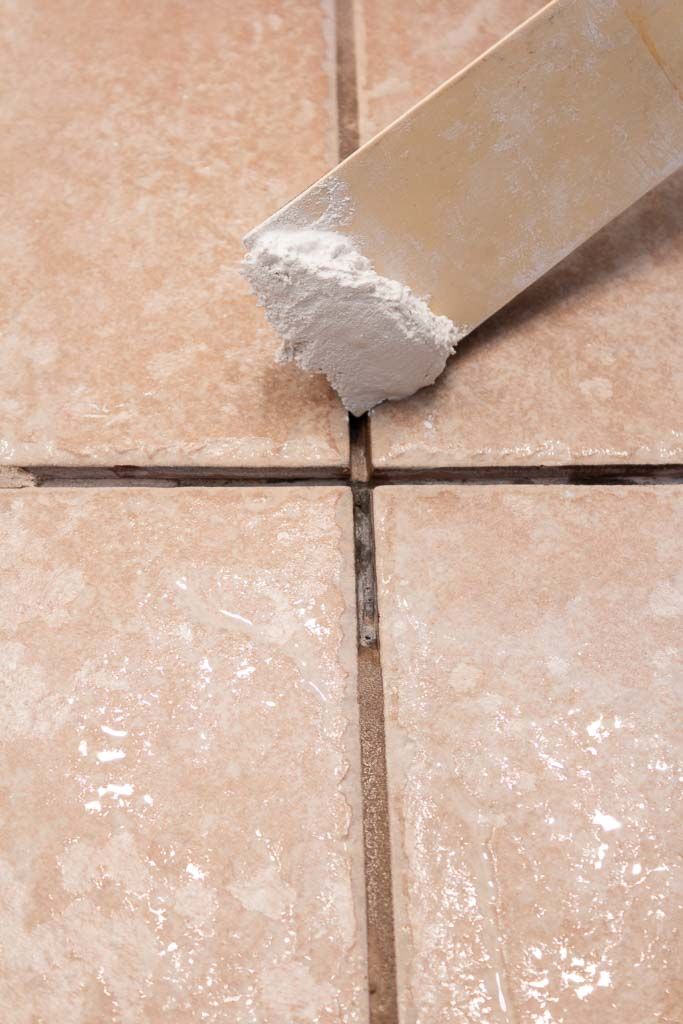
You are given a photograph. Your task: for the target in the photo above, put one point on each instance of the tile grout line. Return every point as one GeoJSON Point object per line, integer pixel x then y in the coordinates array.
{"type": "Point", "coordinates": [173, 476]}
{"type": "Point", "coordinates": [382, 994]}
{"type": "Point", "coordinates": [346, 79]}
{"type": "Point", "coordinates": [610, 474]}
{"type": "Point", "coordinates": [382, 984]}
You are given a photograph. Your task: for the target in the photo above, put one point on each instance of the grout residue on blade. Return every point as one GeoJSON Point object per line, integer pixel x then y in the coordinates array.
{"type": "Point", "coordinates": [371, 336]}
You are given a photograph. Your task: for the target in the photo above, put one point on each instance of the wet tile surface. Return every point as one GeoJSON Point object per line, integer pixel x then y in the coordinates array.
{"type": "Point", "coordinates": [181, 834]}
{"type": "Point", "coordinates": [140, 143]}
{"type": "Point", "coordinates": [587, 365]}
{"type": "Point", "coordinates": [531, 651]}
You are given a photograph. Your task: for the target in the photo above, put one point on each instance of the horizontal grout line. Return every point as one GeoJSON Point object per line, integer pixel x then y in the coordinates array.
{"type": "Point", "coordinates": [633, 474]}
{"type": "Point", "coordinates": [302, 476]}
{"type": "Point", "coordinates": [184, 476]}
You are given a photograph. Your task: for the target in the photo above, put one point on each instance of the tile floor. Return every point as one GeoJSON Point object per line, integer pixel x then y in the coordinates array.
{"type": "Point", "coordinates": [204, 790]}
{"type": "Point", "coordinates": [534, 749]}
{"type": "Point", "coordinates": [179, 757]}
{"type": "Point", "coordinates": [584, 367]}
{"type": "Point", "coordinates": [143, 142]}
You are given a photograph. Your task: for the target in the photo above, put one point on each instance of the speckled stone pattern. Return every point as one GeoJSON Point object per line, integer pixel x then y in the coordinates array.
{"type": "Point", "coordinates": [180, 834]}
{"type": "Point", "coordinates": [531, 650]}
{"type": "Point", "coordinates": [406, 50]}
{"type": "Point", "coordinates": [139, 143]}
{"type": "Point", "coordinates": [586, 366]}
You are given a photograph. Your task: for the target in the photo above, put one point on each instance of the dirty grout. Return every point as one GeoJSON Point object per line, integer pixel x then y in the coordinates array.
{"type": "Point", "coordinates": [346, 83]}
{"type": "Point", "coordinates": [178, 476]}
{"type": "Point", "coordinates": [382, 988]}
{"type": "Point", "coordinates": [587, 475]}
{"type": "Point", "coordinates": [374, 790]}
{"type": "Point", "coordinates": [360, 470]}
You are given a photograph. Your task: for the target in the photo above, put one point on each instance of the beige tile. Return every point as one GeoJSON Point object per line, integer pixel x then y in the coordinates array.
{"type": "Point", "coordinates": [531, 650]}
{"type": "Point", "coordinates": [180, 798]}
{"type": "Point", "coordinates": [406, 50]}
{"type": "Point", "coordinates": [139, 143]}
{"type": "Point", "coordinates": [584, 367]}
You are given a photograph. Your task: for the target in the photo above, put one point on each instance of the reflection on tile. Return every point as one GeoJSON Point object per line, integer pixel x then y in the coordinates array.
{"type": "Point", "coordinates": [181, 833]}
{"type": "Point", "coordinates": [140, 142]}
{"type": "Point", "coordinates": [586, 366]}
{"type": "Point", "coordinates": [531, 650]}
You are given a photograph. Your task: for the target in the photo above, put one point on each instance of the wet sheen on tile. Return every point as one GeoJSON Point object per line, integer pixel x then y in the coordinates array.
{"type": "Point", "coordinates": [531, 652]}
{"type": "Point", "coordinates": [141, 142]}
{"type": "Point", "coordinates": [180, 799]}
{"type": "Point", "coordinates": [584, 367]}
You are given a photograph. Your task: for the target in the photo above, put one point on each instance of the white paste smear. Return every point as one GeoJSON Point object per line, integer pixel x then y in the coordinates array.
{"type": "Point", "coordinates": [372, 337]}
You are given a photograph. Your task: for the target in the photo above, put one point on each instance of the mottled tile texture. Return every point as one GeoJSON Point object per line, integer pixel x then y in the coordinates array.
{"type": "Point", "coordinates": [406, 50]}
{"type": "Point", "coordinates": [531, 650]}
{"type": "Point", "coordinates": [180, 834]}
{"type": "Point", "coordinates": [139, 143]}
{"type": "Point", "coordinates": [584, 367]}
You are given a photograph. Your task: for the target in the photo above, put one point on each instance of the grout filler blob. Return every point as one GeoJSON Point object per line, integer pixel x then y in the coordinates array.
{"type": "Point", "coordinates": [473, 194]}
{"type": "Point", "coordinates": [372, 337]}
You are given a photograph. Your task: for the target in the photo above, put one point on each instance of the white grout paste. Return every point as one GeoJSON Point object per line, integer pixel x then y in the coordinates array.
{"type": "Point", "coordinates": [371, 336]}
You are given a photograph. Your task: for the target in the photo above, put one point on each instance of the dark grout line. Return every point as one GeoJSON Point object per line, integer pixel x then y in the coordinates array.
{"type": "Point", "coordinates": [360, 465]}
{"type": "Point", "coordinates": [382, 992]}
{"type": "Point", "coordinates": [359, 471]}
{"type": "Point", "coordinates": [605, 475]}
{"type": "Point", "coordinates": [347, 91]}
{"type": "Point", "coordinates": [373, 773]}
{"type": "Point", "coordinates": [183, 476]}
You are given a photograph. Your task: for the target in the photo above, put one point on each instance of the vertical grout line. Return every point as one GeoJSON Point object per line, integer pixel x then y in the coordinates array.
{"type": "Point", "coordinates": [373, 767]}
{"type": "Point", "coordinates": [347, 94]}
{"type": "Point", "coordinates": [375, 797]}
{"type": "Point", "coordinates": [359, 445]}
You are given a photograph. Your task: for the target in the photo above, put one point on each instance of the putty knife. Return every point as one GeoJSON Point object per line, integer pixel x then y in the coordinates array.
{"type": "Point", "coordinates": [473, 194]}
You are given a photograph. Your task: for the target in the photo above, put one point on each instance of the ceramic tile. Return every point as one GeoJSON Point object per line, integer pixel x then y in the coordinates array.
{"type": "Point", "coordinates": [140, 143]}
{"type": "Point", "coordinates": [531, 652]}
{"type": "Point", "coordinates": [584, 367]}
{"type": "Point", "coordinates": [180, 805]}
{"type": "Point", "coordinates": [406, 50]}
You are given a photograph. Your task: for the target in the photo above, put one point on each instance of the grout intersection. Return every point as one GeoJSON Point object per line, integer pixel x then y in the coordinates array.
{"type": "Point", "coordinates": [361, 478]}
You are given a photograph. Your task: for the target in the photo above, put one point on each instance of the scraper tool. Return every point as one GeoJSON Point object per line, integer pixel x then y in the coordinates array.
{"type": "Point", "coordinates": [373, 275]}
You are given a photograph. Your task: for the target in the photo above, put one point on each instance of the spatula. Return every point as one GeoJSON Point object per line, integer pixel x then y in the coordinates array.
{"type": "Point", "coordinates": [372, 275]}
